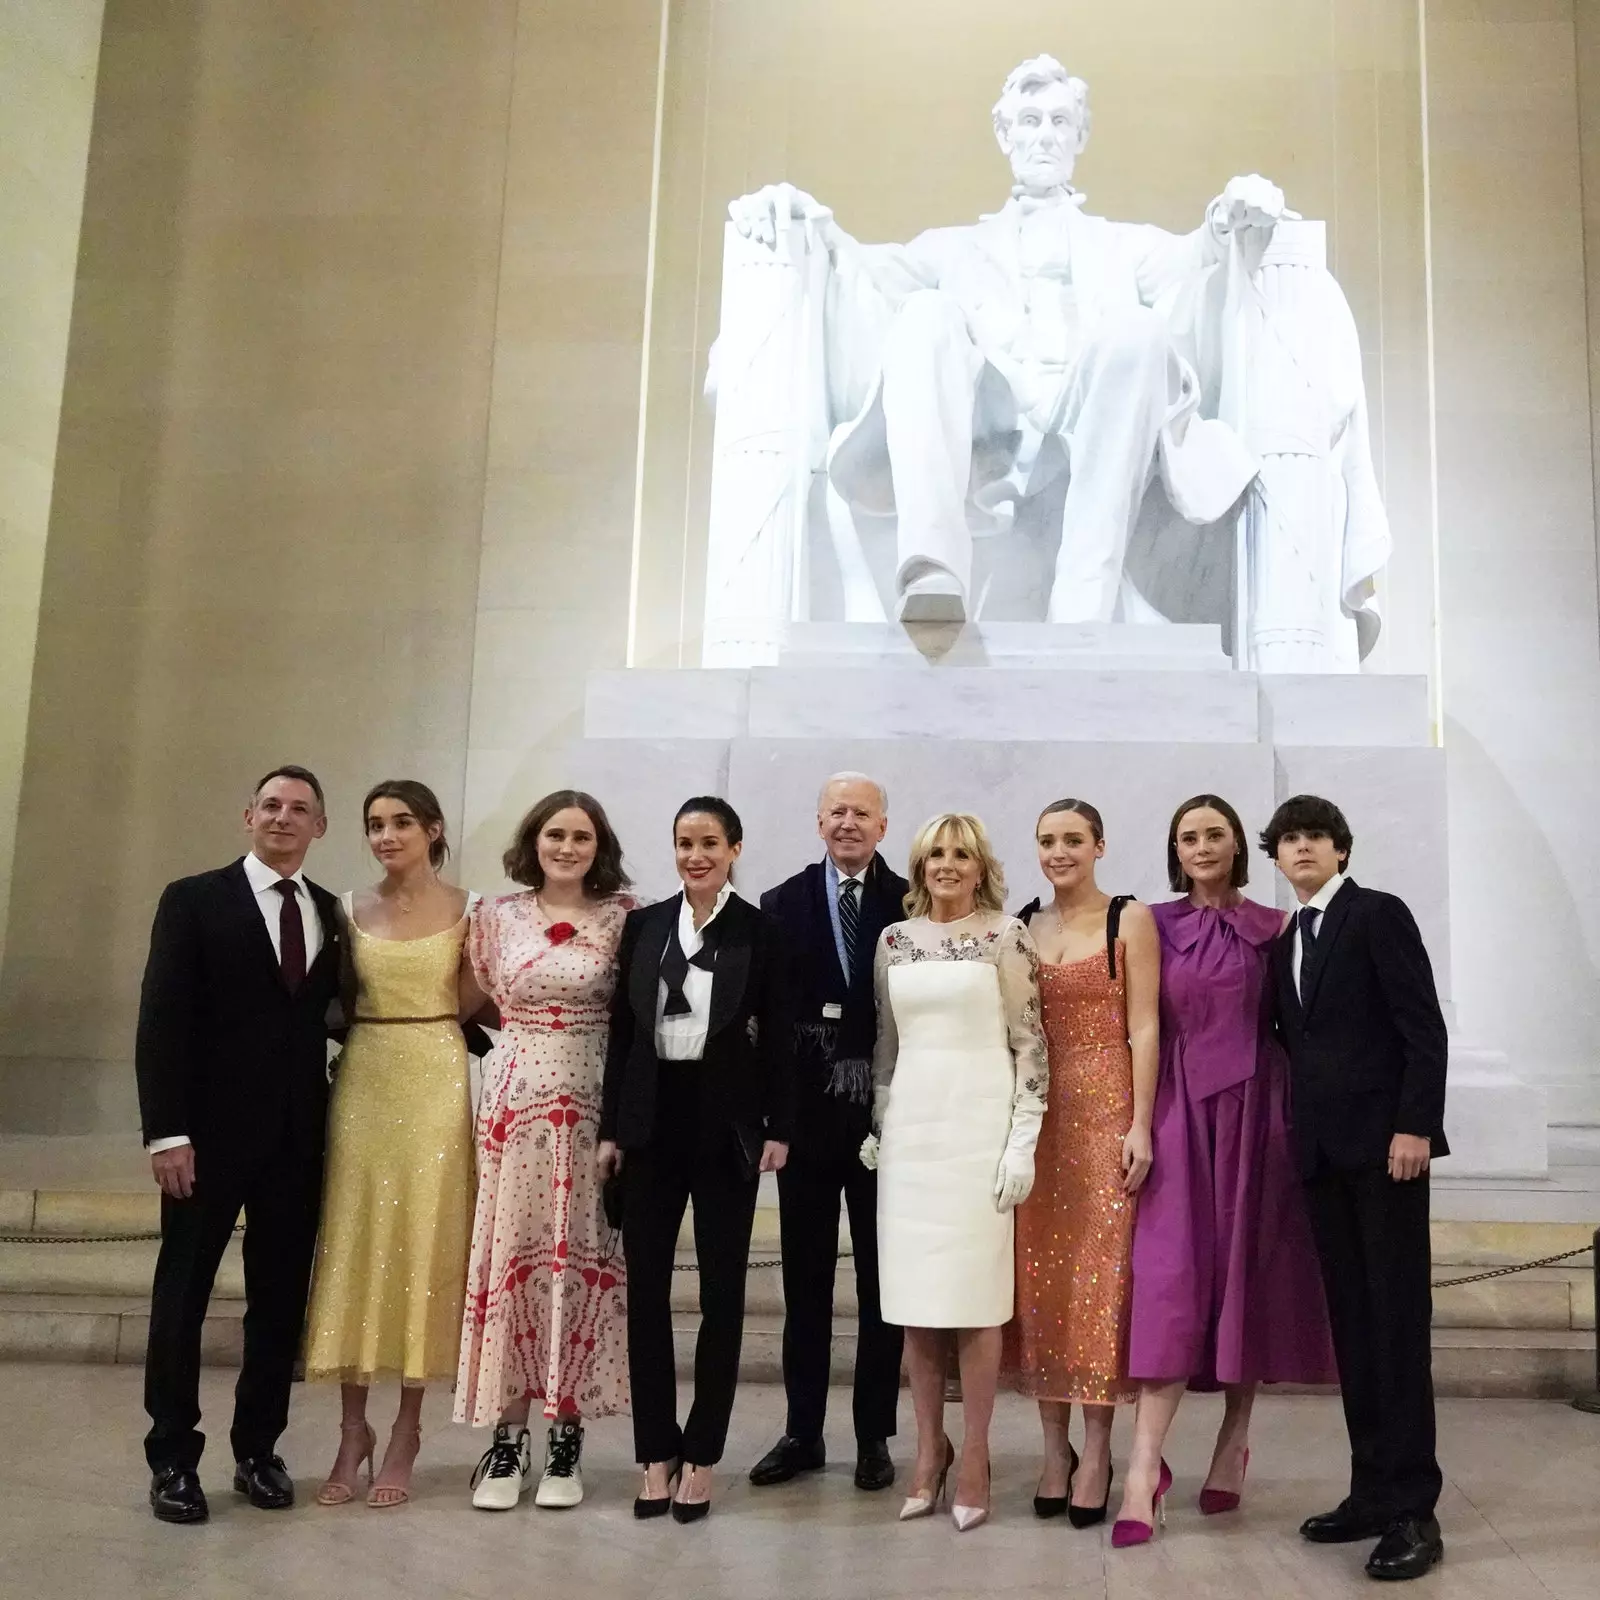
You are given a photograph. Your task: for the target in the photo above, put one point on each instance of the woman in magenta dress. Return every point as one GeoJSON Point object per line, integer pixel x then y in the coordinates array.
{"type": "Point", "coordinates": [1226, 1290]}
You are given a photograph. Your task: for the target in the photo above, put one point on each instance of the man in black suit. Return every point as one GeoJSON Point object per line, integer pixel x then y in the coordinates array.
{"type": "Point", "coordinates": [1358, 1011]}
{"type": "Point", "coordinates": [834, 911]}
{"type": "Point", "coordinates": [233, 1096]}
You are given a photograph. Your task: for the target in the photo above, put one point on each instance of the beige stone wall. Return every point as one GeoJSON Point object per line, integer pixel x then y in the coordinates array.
{"type": "Point", "coordinates": [49, 50]}
{"type": "Point", "coordinates": [1520, 656]}
{"type": "Point", "coordinates": [264, 539]}
{"type": "Point", "coordinates": [563, 424]}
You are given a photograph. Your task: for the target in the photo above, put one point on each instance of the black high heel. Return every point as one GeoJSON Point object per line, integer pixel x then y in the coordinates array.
{"type": "Point", "coordinates": [644, 1509]}
{"type": "Point", "coordinates": [1090, 1516]}
{"type": "Point", "coordinates": [1052, 1505]}
{"type": "Point", "coordinates": [689, 1510]}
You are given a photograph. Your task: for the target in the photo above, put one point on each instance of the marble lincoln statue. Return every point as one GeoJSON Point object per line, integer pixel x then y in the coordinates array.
{"type": "Point", "coordinates": [978, 363]}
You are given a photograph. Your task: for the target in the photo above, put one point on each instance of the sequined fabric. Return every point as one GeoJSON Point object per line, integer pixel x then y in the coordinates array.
{"type": "Point", "coordinates": [546, 1310]}
{"type": "Point", "coordinates": [397, 1195]}
{"type": "Point", "coordinates": [1074, 1231]}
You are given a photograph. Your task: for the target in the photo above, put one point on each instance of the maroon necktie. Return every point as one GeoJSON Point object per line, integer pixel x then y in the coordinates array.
{"type": "Point", "coordinates": [291, 935]}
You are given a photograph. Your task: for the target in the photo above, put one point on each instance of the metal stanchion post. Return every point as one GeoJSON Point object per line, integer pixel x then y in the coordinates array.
{"type": "Point", "coordinates": [1591, 1402]}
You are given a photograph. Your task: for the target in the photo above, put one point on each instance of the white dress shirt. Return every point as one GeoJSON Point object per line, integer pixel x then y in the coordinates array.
{"type": "Point", "coordinates": [683, 1038]}
{"type": "Point", "coordinates": [270, 904]}
{"type": "Point", "coordinates": [1319, 903]}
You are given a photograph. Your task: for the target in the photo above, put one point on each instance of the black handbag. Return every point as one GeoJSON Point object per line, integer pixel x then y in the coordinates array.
{"type": "Point", "coordinates": [611, 1201]}
{"type": "Point", "coordinates": [748, 1143]}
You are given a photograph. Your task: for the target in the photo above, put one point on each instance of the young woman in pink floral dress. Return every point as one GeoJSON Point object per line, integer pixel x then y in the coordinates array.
{"type": "Point", "coordinates": [546, 1307]}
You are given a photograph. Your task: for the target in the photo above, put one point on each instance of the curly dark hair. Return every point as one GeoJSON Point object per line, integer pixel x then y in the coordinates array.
{"type": "Point", "coordinates": [1308, 813]}
{"type": "Point", "coordinates": [521, 860]}
{"type": "Point", "coordinates": [1177, 878]}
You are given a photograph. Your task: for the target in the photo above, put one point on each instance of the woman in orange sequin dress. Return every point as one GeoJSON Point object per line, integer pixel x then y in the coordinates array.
{"type": "Point", "coordinates": [1099, 979]}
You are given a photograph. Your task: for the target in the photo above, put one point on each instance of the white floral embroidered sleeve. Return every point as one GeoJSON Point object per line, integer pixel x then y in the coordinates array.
{"type": "Point", "coordinates": [1018, 964]}
{"type": "Point", "coordinates": [885, 1048]}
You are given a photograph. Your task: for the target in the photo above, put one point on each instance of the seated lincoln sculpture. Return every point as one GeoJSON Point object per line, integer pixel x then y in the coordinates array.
{"type": "Point", "coordinates": [981, 362]}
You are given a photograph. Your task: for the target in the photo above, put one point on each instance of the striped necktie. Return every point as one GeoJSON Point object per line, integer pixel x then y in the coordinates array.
{"type": "Point", "coordinates": [849, 921]}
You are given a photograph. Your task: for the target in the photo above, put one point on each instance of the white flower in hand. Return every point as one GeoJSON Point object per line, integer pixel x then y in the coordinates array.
{"type": "Point", "coordinates": [869, 1152]}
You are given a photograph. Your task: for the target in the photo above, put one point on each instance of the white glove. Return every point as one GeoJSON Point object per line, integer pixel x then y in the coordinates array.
{"type": "Point", "coordinates": [1014, 1180]}
{"type": "Point", "coordinates": [869, 1152]}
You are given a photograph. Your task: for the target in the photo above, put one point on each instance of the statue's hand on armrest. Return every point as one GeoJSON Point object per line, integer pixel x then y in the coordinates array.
{"type": "Point", "coordinates": [766, 214]}
{"type": "Point", "coordinates": [1249, 205]}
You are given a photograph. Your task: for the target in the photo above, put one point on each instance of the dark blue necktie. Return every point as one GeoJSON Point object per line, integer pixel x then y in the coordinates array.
{"type": "Point", "coordinates": [849, 921]}
{"type": "Point", "coordinates": [1308, 944]}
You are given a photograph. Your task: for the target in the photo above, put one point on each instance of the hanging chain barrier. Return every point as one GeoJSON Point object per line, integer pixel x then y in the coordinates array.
{"type": "Point", "coordinates": [1505, 1272]}
{"type": "Point", "coordinates": [757, 1264]}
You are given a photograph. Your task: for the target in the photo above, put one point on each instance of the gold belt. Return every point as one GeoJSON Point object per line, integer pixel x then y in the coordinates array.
{"type": "Point", "coordinates": [449, 1017]}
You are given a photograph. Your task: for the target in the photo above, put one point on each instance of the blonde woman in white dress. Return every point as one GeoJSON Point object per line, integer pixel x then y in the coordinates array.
{"type": "Point", "coordinates": [959, 1078]}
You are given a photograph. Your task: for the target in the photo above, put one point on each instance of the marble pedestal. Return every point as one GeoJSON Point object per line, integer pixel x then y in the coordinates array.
{"type": "Point", "coordinates": [1003, 739]}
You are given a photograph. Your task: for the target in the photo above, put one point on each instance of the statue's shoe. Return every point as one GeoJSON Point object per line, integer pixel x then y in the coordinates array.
{"type": "Point", "coordinates": [934, 597]}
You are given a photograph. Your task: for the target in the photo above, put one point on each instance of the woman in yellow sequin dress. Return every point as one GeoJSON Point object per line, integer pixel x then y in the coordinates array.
{"type": "Point", "coordinates": [1099, 981]}
{"type": "Point", "coordinates": [391, 1265]}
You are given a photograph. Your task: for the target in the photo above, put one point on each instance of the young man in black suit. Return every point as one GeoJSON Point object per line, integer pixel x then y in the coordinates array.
{"type": "Point", "coordinates": [233, 1096]}
{"type": "Point", "coordinates": [834, 911]}
{"type": "Point", "coordinates": [1358, 1011]}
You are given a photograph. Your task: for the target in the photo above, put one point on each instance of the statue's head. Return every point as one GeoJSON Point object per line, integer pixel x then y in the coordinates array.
{"type": "Point", "coordinates": [1042, 122]}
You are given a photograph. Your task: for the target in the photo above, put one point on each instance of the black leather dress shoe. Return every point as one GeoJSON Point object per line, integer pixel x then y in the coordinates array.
{"type": "Point", "coordinates": [787, 1459]}
{"type": "Point", "coordinates": [1408, 1548]}
{"type": "Point", "coordinates": [1346, 1523]}
{"type": "Point", "coordinates": [176, 1496]}
{"type": "Point", "coordinates": [266, 1480]}
{"type": "Point", "coordinates": [874, 1469]}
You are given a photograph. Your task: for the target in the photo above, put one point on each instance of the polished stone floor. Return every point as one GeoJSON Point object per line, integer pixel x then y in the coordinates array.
{"type": "Point", "coordinates": [1521, 1514]}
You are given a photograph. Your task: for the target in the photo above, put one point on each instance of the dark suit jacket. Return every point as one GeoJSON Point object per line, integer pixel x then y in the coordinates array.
{"type": "Point", "coordinates": [826, 1124]}
{"type": "Point", "coordinates": [225, 1054]}
{"type": "Point", "coordinates": [748, 1067]}
{"type": "Point", "coordinates": [1367, 1047]}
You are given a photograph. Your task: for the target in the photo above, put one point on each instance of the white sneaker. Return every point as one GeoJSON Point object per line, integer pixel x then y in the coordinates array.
{"type": "Point", "coordinates": [562, 1483]}
{"type": "Point", "coordinates": [504, 1471]}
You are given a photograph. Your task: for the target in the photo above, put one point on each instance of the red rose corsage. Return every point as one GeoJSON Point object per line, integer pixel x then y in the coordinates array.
{"type": "Point", "coordinates": [559, 932]}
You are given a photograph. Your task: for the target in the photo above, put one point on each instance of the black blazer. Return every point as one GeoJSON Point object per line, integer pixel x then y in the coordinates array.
{"type": "Point", "coordinates": [826, 1123]}
{"type": "Point", "coordinates": [1368, 1047]}
{"type": "Point", "coordinates": [225, 1054]}
{"type": "Point", "coordinates": [748, 1066]}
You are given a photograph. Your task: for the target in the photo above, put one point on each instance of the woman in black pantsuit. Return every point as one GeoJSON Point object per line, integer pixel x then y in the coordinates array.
{"type": "Point", "coordinates": [698, 1102]}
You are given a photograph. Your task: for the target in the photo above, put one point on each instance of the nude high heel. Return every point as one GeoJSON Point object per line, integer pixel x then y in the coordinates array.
{"type": "Point", "coordinates": [381, 1496]}
{"type": "Point", "coordinates": [966, 1518]}
{"type": "Point", "coordinates": [334, 1493]}
{"type": "Point", "coordinates": [917, 1505]}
